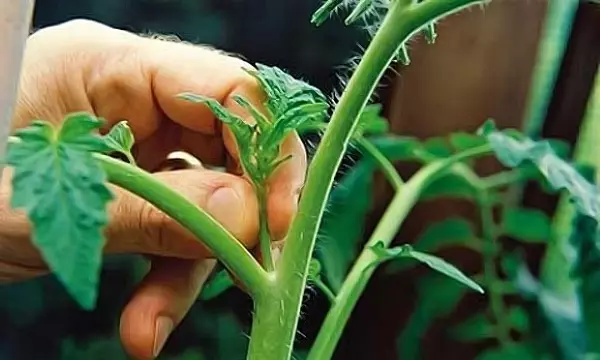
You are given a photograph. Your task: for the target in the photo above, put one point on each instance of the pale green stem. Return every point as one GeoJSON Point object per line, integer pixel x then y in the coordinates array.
{"type": "Point", "coordinates": [277, 313]}
{"type": "Point", "coordinates": [218, 239]}
{"type": "Point", "coordinates": [264, 234]}
{"type": "Point", "coordinates": [386, 165]}
{"type": "Point", "coordinates": [385, 232]}
{"type": "Point", "coordinates": [325, 289]}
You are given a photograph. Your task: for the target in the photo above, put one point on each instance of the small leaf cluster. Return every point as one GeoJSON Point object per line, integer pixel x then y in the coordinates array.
{"type": "Point", "coordinates": [290, 104]}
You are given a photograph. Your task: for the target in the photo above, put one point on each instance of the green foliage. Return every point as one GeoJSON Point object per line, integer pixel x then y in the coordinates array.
{"type": "Point", "coordinates": [370, 122]}
{"type": "Point", "coordinates": [462, 141]}
{"type": "Point", "coordinates": [120, 139]}
{"type": "Point", "coordinates": [289, 105]}
{"type": "Point", "coordinates": [429, 308]}
{"type": "Point", "coordinates": [62, 188]}
{"type": "Point", "coordinates": [512, 152]}
{"type": "Point", "coordinates": [437, 264]}
{"type": "Point", "coordinates": [526, 225]}
{"type": "Point", "coordinates": [448, 232]}
{"type": "Point", "coordinates": [586, 273]}
{"type": "Point", "coordinates": [216, 285]}
{"type": "Point", "coordinates": [517, 351]}
{"type": "Point", "coordinates": [476, 328]}
{"type": "Point", "coordinates": [555, 321]}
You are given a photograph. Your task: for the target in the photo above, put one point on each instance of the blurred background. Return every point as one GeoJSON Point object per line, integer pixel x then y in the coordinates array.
{"type": "Point", "coordinates": [529, 64]}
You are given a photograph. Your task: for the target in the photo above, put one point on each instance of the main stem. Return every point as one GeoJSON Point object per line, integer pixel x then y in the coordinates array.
{"type": "Point", "coordinates": [274, 339]}
{"type": "Point", "coordinates": [277, 313]}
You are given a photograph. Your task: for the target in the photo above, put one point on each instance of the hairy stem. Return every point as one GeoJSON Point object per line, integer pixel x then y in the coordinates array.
{"type": "Point", "coordinates": [272, 336]}
{"type": "Point", "coordinates": [218, 239]}
{"type": "Point", "coordinates": [292, 274]}
{"type": "Point", "coordinates": [386, 230]}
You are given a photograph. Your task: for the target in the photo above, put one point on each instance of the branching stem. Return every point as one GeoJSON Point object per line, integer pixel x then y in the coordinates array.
{"type": "Point", "coordinates": [218, 239]}
{"type": "Point", "coordinates": [274, 329]}
{"type": "Point", "coordinates": [386, 230]}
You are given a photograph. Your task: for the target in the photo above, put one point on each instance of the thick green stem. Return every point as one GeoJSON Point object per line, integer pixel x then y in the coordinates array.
{"type": "Point", "coordinates": [292, 274]}
{"type": "Point", "coordinates": [390, 223]}
{"type": "Point", "coordinates": [220, 241]}
{"type": "Point", "coordinates": [401, 21]}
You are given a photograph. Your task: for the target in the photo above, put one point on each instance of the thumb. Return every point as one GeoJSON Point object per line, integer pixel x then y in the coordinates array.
{"type": "Point", "coordinates": [137, 226]}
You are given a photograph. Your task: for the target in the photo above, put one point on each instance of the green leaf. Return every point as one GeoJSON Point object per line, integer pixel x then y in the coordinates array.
{"type": "Point", "coordinates": [555, 321]}
{"type": "Point", "coordinates": [217, 285]}
{"type": "Point", "coordinates": [261, 120]}
{"type": "Point", "coordinates": [286, 93]}
{"type": "Point", "coordinates": [396, 148]}
{"type": "Point", "coordinates": [518, 319]}
{"type": "Point", "coordinates": [474, 329]}
{"type": "Point", "coordinates": [371, 122]}
{"type": "Point", "coordinates": [242, 131]}
{"type": "Point", "coordinates": [62, 188]}
{"type": "Point", "coordinates": [462, 141]}
{"type": "Point", "coordinates": [586, 273]}
{"type": "Point", "coordinates": [448, 232]}
{"type": "Point", "coordinates": [526, 225]}
{"type": "Point", "coordinates": [436, 263]}
{"type": "Point", "coordinates": [512, 352]}
{"type": "Point", "coordinates": [438, 147]}
{"type": "Point", "coordinates": [449, 186]}
{"type": "Point", "coordinates": [512, 152]}
{"type": "Point", "coordinates": [120, 139]}
{"type": "Point", "coordinates": [428, 309]}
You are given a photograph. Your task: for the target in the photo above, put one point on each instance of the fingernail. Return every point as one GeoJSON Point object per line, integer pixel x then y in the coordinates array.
{"type": "Point", "coordinates": [164, 327]}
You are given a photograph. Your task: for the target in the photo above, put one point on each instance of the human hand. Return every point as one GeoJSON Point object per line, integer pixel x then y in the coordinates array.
{"type": "Point", "coordinates": [85, 66]}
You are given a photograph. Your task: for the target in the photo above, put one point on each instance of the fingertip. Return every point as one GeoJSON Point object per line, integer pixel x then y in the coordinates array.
{"type": "Point", "coordinates": [160, 303]}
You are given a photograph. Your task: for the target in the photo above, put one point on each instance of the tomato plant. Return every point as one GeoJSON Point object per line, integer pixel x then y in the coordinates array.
{"type": "Point", "coordinates": [62, 174]}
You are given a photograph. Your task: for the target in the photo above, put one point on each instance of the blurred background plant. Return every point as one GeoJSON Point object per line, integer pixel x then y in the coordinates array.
{"type": "Point", "coordinates": [528, 64]}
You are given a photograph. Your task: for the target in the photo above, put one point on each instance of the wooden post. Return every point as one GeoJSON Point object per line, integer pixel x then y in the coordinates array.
{"type": "Point", "coordinates": [15, 20]}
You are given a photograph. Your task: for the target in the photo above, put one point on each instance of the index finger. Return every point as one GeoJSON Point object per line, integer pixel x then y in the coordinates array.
{"type": "Point", "coordinates": [179, 67]}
